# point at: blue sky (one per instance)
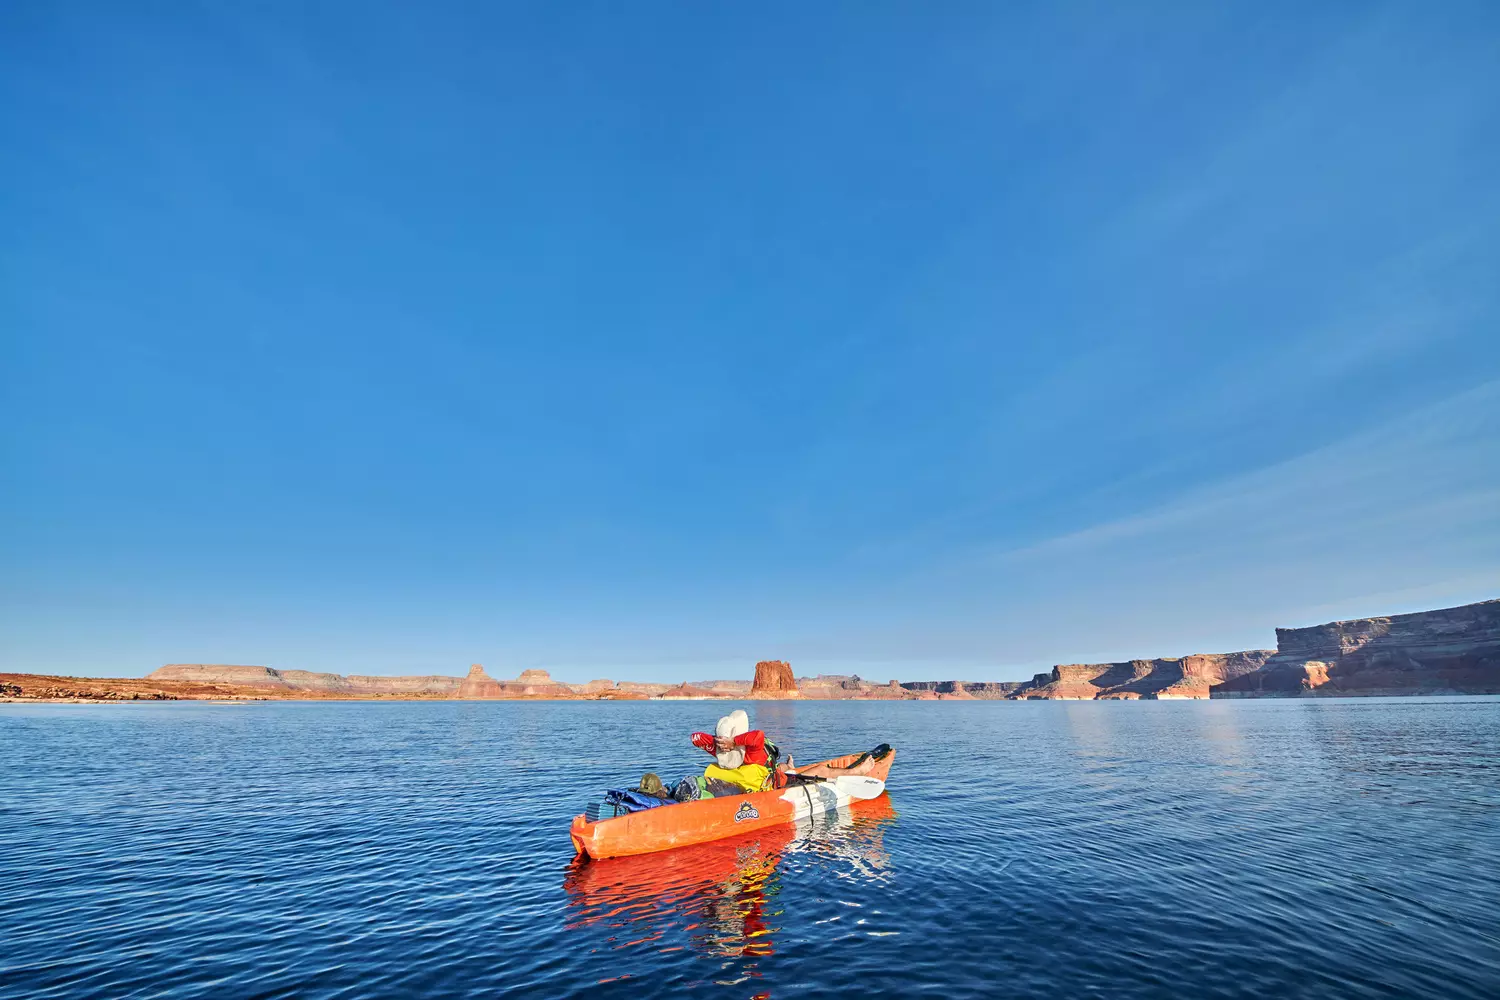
(649, 340)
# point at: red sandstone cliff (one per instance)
(773, 679)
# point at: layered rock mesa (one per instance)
(1449, 651)
(219, 679)
(990, 690)
(825, 686)
(303, 682)
(1163, 678)
(773, 679)
(690, 692)
(531, 684)
(838, 687)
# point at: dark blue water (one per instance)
(1292, 848)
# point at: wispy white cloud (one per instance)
(1441, 458)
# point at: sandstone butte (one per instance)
(1450, 651)
(773, 679)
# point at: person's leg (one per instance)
(750, 777)
(829, 771)
(863, 765)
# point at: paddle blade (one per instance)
(859, 786)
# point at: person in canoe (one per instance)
(744, 759)
(740, 756)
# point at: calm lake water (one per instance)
(1246, 849)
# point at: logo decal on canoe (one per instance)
(746, 811)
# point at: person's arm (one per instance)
(755, 739)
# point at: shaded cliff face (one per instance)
(963, 689)
(1449, 651)
(773, 679)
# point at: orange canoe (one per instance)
(706, 820)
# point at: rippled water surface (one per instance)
(1287, 848)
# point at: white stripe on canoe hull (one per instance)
(809, 800)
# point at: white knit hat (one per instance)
(734, 724)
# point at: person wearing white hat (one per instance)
(739, 752)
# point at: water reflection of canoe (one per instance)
(708, 820)
(718, 897)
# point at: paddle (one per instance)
(858, 786)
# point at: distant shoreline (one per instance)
(1451, 651)
(265, 699)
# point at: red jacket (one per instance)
(754, 743)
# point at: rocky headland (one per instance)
(1450, 651)
(1193, 676)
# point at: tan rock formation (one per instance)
(992, 690)
(958, 693)
(531, 684)
(478, 684)
(727, 688)
(539, 684)
(834, 686)
(286, 682)
(1170, 677)
(417, 684)
(640, 688)
(773, 679)
(689, 691)
(217, 673)
(885, 692)
(306, 680)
